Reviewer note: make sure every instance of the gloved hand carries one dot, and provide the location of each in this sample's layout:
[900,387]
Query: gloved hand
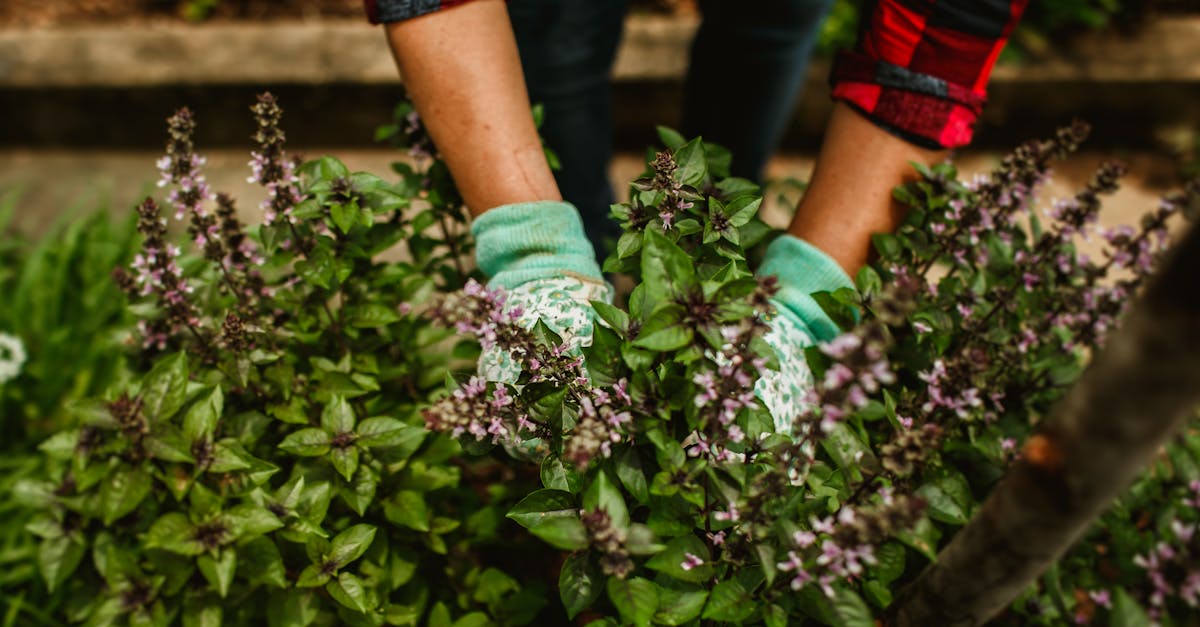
[801,269]
[539,255]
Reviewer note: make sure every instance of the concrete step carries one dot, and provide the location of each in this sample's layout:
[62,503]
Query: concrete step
[655,48]
[110,86]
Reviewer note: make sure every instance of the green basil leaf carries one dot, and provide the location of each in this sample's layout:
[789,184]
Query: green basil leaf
[536,508]
[730,602]
[382,431]
[692,165]
[636,599]
[338,416]
[603,494]
[345,461]
[557,475]
[350,544]
[165,389]
[563,533]
[124,490]
[260,562]
[579,583]
[675,560]
[349,590]
[57,559]
[173,532]
[679,604]
[200,421]
[311,442]
[408,508]
[219,570]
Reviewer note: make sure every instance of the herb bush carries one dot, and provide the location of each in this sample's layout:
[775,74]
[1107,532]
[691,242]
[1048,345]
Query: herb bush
[304,442]
[63,316]
[266,465]
[60,339]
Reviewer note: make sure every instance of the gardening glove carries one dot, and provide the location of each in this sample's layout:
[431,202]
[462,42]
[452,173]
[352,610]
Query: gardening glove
[538,254]
[801,269]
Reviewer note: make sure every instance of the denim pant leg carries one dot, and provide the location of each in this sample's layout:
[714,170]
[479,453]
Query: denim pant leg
[749,61]
[567,49]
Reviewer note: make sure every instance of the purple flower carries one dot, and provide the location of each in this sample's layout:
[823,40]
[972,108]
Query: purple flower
[1193,502]
[500,398]
[1189,591]
[708,388]
[731,516]
[1029,281]
[837,376]
[1101,598]
[620,389]
[841,346]
[804,539]
[794,563]
[823,525]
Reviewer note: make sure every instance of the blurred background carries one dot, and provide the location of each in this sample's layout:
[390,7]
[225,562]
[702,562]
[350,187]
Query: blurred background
[85,87]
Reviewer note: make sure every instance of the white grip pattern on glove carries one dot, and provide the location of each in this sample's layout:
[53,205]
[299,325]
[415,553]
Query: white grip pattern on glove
[785,392]
[563,304]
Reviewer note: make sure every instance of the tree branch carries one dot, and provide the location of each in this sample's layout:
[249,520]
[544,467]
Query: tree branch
[1137,392]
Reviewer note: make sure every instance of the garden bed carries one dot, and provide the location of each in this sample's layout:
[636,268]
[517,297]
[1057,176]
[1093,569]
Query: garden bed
[203,464]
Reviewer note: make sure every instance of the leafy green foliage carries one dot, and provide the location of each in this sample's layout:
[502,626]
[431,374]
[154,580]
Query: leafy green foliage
[70,319]
[267,460]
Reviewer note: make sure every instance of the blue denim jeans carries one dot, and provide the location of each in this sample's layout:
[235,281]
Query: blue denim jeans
[748,62]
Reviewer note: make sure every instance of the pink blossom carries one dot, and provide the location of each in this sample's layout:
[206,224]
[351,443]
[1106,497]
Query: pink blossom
[1101,598]
[731,515]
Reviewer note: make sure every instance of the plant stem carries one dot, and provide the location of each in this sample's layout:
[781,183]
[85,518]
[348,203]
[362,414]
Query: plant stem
[452,243]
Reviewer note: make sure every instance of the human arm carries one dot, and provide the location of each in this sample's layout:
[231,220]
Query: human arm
[850,195]
[462,71]
[912,90]
[461,68]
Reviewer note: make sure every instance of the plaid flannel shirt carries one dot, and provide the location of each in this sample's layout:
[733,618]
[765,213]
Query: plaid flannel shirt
[920,69]
[921,66]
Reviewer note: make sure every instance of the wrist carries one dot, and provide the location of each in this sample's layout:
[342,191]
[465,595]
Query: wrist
[803,269]
[524,242]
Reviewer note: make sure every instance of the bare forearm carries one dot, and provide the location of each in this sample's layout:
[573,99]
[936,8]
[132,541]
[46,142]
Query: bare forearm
[462,70]
[850,196]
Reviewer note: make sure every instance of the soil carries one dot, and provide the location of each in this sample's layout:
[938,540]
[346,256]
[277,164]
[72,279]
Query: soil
[38,13]
[41,13]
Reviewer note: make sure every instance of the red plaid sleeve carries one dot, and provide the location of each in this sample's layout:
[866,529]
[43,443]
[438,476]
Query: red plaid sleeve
[384,11]
[922,66]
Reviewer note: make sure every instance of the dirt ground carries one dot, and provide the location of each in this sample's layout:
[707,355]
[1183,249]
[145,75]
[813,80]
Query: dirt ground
[42,13]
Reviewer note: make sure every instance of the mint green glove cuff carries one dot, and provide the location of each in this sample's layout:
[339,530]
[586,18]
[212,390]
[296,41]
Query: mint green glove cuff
[803,269]
[524,242]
